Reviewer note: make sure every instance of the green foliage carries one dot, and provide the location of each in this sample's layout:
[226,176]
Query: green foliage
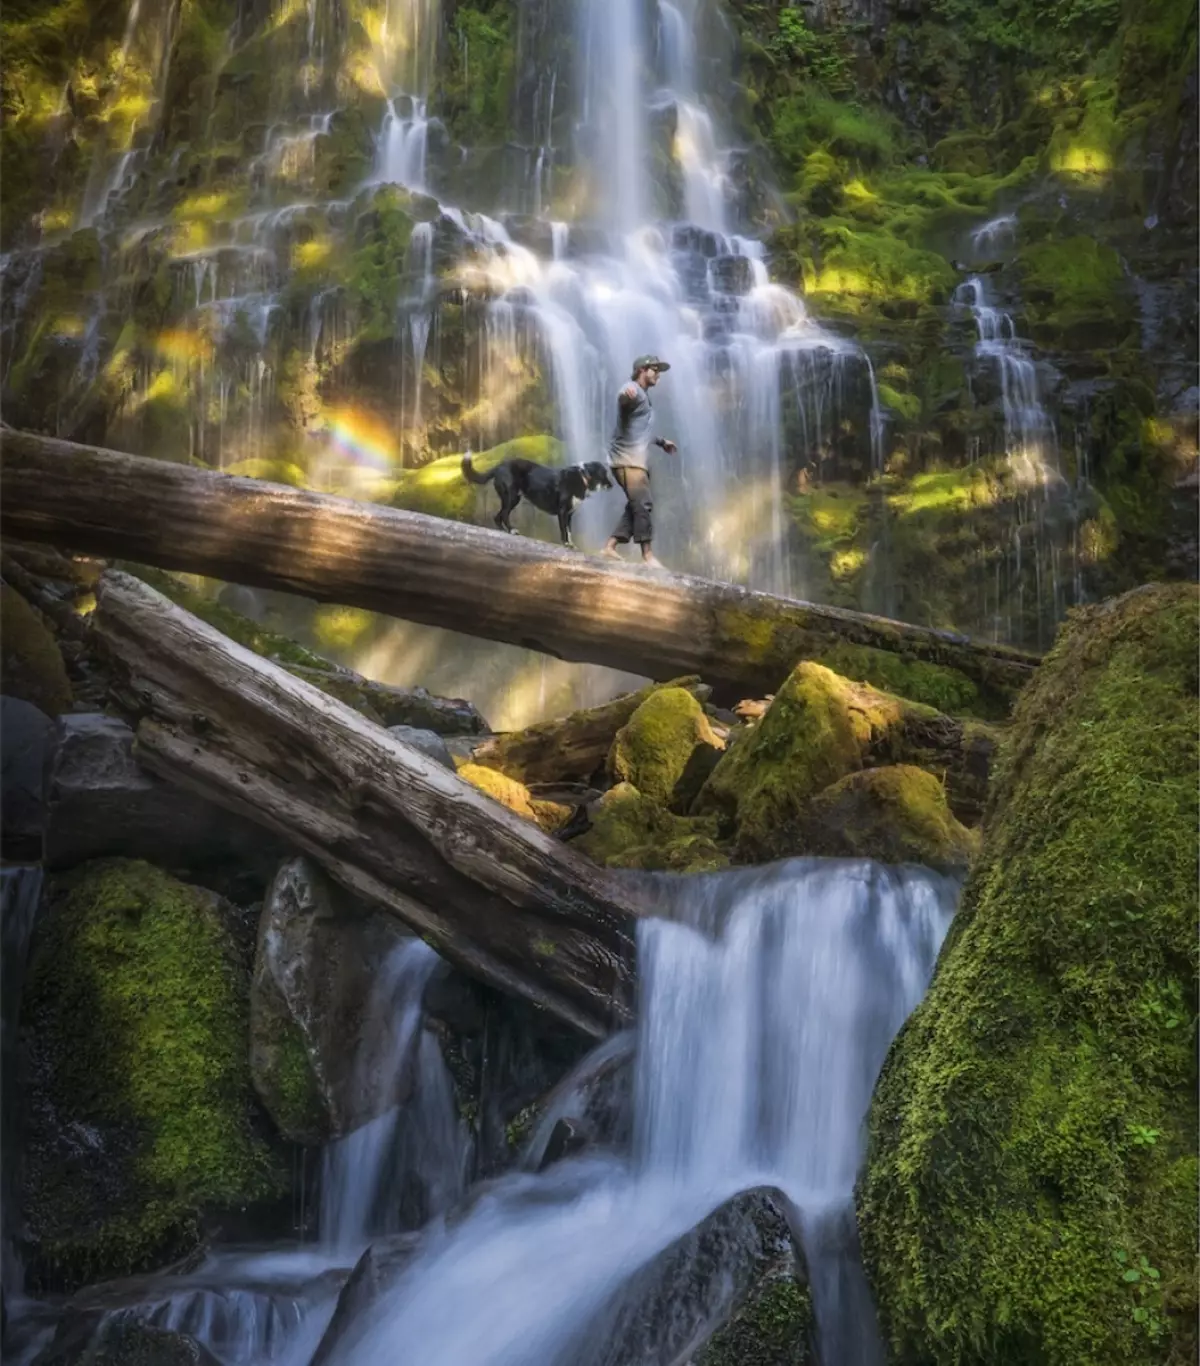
[377,264]
[137,1007]
[477,80]
[820,57]
[1011,1191]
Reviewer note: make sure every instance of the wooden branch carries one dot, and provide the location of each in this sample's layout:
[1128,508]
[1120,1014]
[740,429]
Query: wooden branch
[486,889]
[445,574]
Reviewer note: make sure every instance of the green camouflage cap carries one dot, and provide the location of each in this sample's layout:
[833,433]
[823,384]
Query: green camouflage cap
[649,363]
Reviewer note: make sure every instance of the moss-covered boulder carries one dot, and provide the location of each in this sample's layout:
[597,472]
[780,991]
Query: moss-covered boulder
[814,732]
[1030,1190]
[896,814]
[551,816]
[631,830]
[31,664]
[141,1116]
[122,1340]
[667,741]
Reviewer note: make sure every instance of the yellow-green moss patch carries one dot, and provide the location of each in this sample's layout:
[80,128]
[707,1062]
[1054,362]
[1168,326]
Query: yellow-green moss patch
[630,830]
[142,1114]
[654,749]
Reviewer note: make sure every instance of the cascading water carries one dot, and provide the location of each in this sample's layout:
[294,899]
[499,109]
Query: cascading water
[408,1164]
[766,1011]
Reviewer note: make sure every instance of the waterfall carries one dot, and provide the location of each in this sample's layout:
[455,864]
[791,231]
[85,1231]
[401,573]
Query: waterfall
[767,1006]
[407,1164]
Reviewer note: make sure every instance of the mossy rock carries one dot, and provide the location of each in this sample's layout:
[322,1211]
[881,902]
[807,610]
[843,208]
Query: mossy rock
[655,748]
[895,814]
[1031,1183]
[31,664]
[550,816]
[773,1328]
[439,489]
[141,1113]
[122,1340]
[274,471]
[631,830]
[815,731]
[933,685]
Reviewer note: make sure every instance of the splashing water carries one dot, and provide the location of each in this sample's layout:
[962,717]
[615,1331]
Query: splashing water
[764,1022]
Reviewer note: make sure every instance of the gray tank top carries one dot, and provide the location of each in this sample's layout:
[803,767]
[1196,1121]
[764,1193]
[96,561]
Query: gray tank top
[629,445]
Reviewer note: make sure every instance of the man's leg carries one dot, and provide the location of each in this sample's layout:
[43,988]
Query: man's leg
[637,490]
[624,528]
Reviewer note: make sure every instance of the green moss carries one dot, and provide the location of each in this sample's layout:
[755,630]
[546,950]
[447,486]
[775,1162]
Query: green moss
[507,791]
[813,733]
[137,1006]
[934,685]
[284,1078]
[274,471]
[438,489]
[1076,291]
[476,77]
[905,406]
[1030,1191]
[630,830]
[773,1328]
[128,1341]
[31,664]
[895,814]
[376,271]
[654,749]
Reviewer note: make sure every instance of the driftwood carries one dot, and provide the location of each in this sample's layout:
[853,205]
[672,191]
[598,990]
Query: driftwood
[569,748]
[445,574]
[486,889]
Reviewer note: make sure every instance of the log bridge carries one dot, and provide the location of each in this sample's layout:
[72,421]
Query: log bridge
[488,890]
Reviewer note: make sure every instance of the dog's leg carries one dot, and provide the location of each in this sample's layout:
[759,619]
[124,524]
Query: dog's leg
[565,515]
[511,498]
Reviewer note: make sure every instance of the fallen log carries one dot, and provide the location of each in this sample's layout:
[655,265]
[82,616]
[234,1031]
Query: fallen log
[489,891]
[446,574]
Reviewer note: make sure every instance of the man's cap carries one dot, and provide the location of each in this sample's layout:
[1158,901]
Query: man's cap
[649,363]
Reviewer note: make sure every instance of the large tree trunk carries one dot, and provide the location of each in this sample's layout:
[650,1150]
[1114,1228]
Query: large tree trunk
[445,574]
[486,889]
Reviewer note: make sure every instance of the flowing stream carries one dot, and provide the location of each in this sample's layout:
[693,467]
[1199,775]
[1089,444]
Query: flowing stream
[767,1006]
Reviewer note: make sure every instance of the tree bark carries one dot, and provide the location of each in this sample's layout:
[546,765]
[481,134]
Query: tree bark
[486,889]
[446,574]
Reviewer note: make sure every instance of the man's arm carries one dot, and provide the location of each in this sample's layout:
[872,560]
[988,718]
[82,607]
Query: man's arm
[669,446]
[628,396]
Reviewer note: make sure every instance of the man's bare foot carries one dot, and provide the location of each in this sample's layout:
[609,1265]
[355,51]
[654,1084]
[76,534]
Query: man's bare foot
[610,552]
[651,562]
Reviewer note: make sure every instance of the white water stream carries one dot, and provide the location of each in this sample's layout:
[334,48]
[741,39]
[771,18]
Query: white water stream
[764,1021]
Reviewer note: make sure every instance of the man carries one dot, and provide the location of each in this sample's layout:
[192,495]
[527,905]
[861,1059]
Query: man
[628,454]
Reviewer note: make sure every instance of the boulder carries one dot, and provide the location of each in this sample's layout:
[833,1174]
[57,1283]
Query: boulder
[591,1107]
[26,741]
[1030,1186]
[101,803]
[31,663]
[819,728]
[140,1118]
[629,830]
[732,274]
[374,1273]
[741,1253]
[896,814]
[666,741]
[317,960]
[551,816]
[429,742]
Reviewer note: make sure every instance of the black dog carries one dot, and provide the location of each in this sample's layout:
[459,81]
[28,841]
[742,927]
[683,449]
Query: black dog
[558,492]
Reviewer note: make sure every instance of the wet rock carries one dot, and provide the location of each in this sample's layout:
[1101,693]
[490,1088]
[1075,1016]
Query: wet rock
[732,274]
[26,741]
[124,1342]
[427,741]
[373,1275]
[690,1290]
[317,956]
[101,803]
[592,1107]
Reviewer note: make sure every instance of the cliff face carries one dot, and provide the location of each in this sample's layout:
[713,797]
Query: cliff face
[329,240]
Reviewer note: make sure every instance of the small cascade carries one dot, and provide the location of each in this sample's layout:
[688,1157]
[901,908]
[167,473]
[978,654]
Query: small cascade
[407,1164]
[403,145]
[766,1010]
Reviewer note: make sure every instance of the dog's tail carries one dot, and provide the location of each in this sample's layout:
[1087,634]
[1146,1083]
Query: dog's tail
[472,476]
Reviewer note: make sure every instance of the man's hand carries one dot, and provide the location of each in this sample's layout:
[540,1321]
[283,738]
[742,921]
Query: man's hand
[629,394]
[670,447]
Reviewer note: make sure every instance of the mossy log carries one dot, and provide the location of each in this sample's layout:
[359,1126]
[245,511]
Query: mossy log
[489,891]
[445,574]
